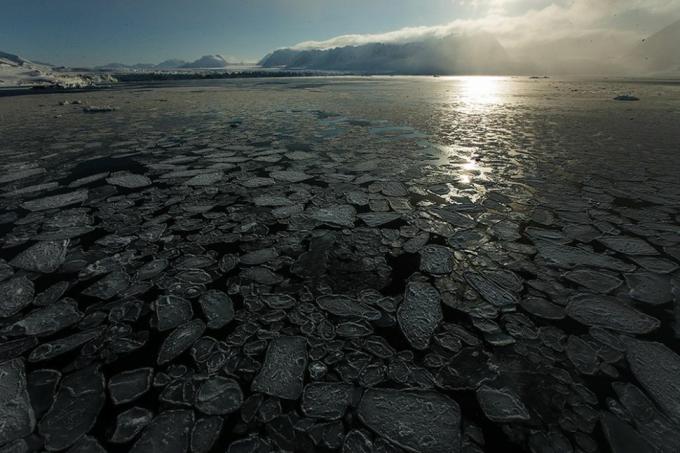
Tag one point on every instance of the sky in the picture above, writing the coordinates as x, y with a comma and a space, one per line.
93, 32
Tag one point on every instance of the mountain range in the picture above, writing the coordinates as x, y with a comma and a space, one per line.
453, 54
482, 53
205, 62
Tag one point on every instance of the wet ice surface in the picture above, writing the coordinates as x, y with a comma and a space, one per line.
357, 265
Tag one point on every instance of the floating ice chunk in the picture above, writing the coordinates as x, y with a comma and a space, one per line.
501, 405
195, 276
454, 218
419, 314
656, 265
569, 257
415, 421
129, 423
340, 215
417, 242
190, 262
622, 438
51, 294
75, 409
109, 286
152, 269
394, 189
31, 189
271, 201
256, 182
598, 282
258, 257
344, 306
602, 311
129, 385
49, 350
326, 400
261, 275
167, 433
357, 197
128, 180
542, 308
11, 349
649, 288
219, 396
45, 257
15, 294
657, 368
357, 441
581, 354
655, 427
17, 418
206, 179
352, 329
290, 176
279, 301
505, 230
628, 245
399, 204
205, 433
87, 444
505, 279
288, 211
21, 174
490, 291
283, 369
217, 308
376, 219
184, 173
48, 320
436, 259
228, 262
88, 180
172, 311
254, 443
180, 340
56, 201
300, 155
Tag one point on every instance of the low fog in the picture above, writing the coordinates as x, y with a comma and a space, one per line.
605, 37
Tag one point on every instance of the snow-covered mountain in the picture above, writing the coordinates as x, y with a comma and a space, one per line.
172, 63
453, 54
208, 62
205, 62
16, 71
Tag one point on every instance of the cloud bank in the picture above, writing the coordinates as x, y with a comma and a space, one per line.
560, 35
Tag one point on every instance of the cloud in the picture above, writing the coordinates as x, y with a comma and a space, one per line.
522, 24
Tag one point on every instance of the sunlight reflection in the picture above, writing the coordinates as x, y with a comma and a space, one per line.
482, 90
471, 171
465, 164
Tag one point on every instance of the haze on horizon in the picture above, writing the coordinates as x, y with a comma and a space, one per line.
86, 33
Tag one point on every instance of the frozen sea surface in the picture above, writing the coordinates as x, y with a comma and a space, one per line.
342, 264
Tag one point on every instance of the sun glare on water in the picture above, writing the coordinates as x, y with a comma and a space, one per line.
481, 90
